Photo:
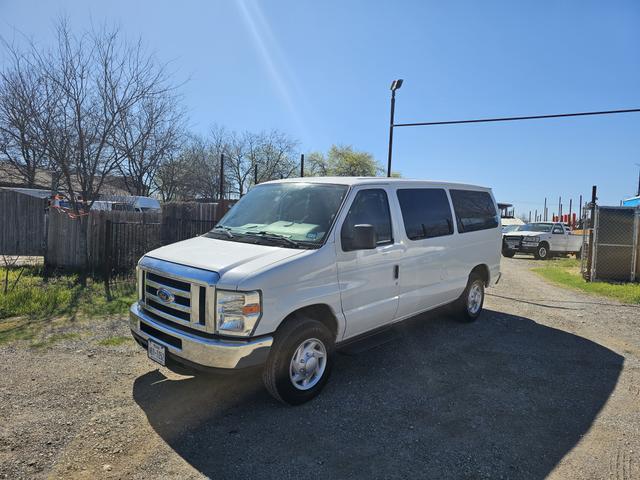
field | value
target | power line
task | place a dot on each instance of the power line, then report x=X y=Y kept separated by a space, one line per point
x=511 y=119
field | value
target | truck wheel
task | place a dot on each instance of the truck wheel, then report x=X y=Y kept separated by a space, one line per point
x=579 y=254
x=542 y=252
x=508 y=253
x=300 y=361
x=469 y=306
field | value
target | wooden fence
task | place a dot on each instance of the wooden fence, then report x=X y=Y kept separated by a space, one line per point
x=64 y=233
x=22 y=224
x=115 y=240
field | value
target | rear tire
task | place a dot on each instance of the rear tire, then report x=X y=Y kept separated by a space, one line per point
x=579 y=254
x=469 y=306
x=300 y=361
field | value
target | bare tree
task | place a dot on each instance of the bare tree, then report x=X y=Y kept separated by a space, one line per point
x=272 y=153
x=89 y=84
x=146 y=135
x=22 y=144
x=194 y=172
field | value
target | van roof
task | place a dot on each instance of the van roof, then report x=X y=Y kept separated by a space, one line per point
x=377 y=181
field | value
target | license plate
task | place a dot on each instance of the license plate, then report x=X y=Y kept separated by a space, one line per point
x=156 y=352
x=512 y=244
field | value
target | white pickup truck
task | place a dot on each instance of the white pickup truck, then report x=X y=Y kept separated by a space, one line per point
x=543 y=239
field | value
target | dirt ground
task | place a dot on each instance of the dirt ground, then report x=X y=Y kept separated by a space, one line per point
x=545 y=384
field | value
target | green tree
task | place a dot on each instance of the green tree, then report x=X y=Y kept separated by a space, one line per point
x=343 y=161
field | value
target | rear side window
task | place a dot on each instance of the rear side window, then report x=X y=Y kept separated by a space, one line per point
x=426 y=212
x=474 y=210
x=369 y=207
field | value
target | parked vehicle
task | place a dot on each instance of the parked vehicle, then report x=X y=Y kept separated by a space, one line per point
x=112 y=206
x=138 y=202
x=542 y=239
x=299 y=267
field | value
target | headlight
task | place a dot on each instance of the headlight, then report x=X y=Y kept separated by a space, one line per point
x=532 y=239
x=237 y=313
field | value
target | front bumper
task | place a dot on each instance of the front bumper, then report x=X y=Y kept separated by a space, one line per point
x=525 y=247
x=206 y=352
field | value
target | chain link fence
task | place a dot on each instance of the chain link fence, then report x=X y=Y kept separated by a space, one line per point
x=611 y=243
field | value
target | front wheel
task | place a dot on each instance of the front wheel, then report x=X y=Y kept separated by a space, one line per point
x=469 y=306
x=508 y=253
x=542 y=252
x=300 y=361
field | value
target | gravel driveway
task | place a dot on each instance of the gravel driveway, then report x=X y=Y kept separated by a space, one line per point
x=545 y=384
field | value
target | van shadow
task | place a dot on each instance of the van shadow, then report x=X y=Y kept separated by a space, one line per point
x=504 y=397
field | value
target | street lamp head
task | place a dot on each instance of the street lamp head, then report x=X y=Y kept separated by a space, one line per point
x=396 y=84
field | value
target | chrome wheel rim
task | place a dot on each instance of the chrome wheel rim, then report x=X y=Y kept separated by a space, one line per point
x=542 y=252
x=474 y=300
x=308 y=364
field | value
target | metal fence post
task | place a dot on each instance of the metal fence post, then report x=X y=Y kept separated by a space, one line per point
x=636 y=245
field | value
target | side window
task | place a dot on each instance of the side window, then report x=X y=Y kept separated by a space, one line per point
x=369 y=207
x=474 y=210
x=558 y=229
x=426 y=212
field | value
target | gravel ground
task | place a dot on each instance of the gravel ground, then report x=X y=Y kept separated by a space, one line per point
x=545 y=384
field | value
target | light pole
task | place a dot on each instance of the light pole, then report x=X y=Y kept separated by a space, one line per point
x=395 y=85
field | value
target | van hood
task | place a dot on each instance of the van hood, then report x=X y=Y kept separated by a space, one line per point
x=223 y=256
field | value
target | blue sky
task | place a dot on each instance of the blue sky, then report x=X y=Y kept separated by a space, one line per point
x=320 y=71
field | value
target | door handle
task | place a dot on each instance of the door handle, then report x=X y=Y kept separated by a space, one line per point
x=396 y=271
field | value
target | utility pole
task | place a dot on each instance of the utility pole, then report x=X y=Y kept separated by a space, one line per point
x=395 y=85
x=302 y=165
x=560 y=209
x=545 y=209
x=255 y=174
x=570 y=209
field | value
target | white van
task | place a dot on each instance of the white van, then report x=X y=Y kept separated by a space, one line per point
x=300 y=266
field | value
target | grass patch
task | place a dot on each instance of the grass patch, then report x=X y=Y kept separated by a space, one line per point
x=114 y=341
x=63 y=295
x=566 y=272
x=32 y=303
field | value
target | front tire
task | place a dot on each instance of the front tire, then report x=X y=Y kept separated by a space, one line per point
x=508 y=253
x=542 y=252
x=300 y=361
x=469 y=306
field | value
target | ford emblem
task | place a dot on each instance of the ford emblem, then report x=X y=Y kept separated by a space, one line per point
x=165 y=295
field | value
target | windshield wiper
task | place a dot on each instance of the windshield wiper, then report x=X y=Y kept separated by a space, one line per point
x=275 y=237
x=223 y=229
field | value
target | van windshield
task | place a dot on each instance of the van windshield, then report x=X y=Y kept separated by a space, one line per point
x=300 y=213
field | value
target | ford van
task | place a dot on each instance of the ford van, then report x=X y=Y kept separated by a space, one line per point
x=299 y=267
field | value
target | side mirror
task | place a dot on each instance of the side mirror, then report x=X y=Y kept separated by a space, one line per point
x=364 y=237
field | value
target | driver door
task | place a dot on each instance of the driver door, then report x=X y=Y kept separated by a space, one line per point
x=368 y=279
x=559 y=238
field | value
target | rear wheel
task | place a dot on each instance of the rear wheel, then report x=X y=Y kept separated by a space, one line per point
x=300 y=361
x=469 y=306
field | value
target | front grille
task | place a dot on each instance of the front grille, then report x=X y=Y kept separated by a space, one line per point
x=177 y=301
x=513 y=239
